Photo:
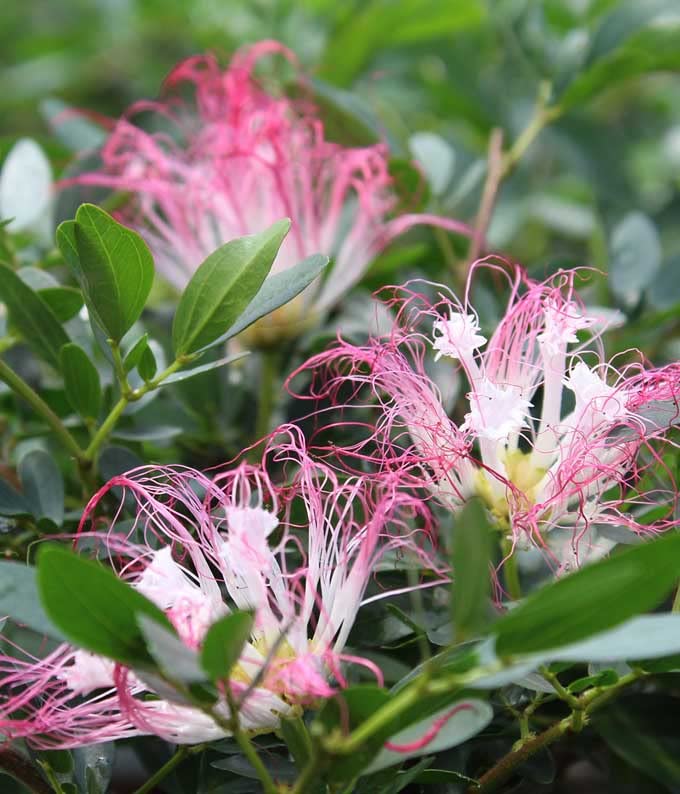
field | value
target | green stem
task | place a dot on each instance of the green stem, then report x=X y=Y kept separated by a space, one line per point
x=542 y=116
x=179 y=756
x=105 y=428
x=511 y=571
x=309 y=775
x=265 y=402
x=119 y=369
x=116 y=412
x=676 y=601
x=563 y=694
x=389 y=712
x=233 y=726
x=22 y=769
x=20 y=387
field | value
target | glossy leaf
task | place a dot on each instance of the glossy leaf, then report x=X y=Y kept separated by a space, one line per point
x=594 y=599
x=175 y=658
x=223 y=286
x=32 y=317
x=296 y=736
x=379 y=23
x=276 y=291
x=43 y=485
x=13 y=503
x=93 y=607
x=94 y=767
x=471 y=559
x=20 y=600
x=134 y=354
x=643 y=637
x=25 y=185
x=223 y=644
x=81 y=381
x=113 y=265
x=642 y=730
x=185 y=374
x=65 y=302
x=71 y=125
x=633 y=39
x=146 y=366
x=635 y=258
x=461 y=721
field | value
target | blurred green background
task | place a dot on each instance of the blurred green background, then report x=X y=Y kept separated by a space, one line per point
x=457 y=69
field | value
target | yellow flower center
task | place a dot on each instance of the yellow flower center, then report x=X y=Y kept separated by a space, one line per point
x=522 y=474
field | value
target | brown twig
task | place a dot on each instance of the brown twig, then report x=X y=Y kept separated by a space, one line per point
x=21 y=769
x=494 y=175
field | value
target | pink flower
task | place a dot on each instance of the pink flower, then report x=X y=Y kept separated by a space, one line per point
x=199 y=548
x=239 y=158
x=557 y=441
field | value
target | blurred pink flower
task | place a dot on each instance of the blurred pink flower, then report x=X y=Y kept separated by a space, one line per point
x=198 y=548
x=558 y=442
x=239 y=158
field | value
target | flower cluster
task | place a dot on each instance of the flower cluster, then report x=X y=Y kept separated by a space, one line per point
x=237 y=160
x=557 y=441
x=200 y=547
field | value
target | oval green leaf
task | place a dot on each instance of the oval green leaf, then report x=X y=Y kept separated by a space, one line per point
x=43 y=485
x=594 y=599
x=113 y=265
x=32 y=317
x=224 y=642
x=223 y=286
x=470 y=558
x=91 y=606
x=81 y=381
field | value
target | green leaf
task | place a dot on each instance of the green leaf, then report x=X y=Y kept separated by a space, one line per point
x=224 y=643
x=296 y=736
x=113 y=265
x=276 y=291
x=632 y=40
x=116 y=460
x=346 y=117
x=635 y=258
x=32 y=317
x=470 y=559
x=153 y=434
x=642 y=730
x=465 y=720
x=377 y=24
x=146 y=366
x=12 y=503
x=134 y=354
x=173 y=657
x=20 y=600
x=65 y=302
x=598 y=597
x=643 y=637
x=94 y=767
x=25 y=185
x=93 y=607
x=436 y=158
x=356 y=704
x=185 y=374
x=43 y=485
x=71 y=126
x=222 y=288
x=81 y=381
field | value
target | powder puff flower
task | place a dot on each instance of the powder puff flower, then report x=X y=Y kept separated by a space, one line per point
x=300 y=555
x=238 y=159
x=557 y=441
